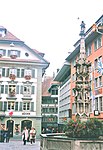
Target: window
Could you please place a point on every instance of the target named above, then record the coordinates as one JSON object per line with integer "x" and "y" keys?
{"x": 14, "y": 52}
{"x": 101, "y": 103}
{"x": 2, "y": 52}
{"x": 2, "y": 89}
{"x": 22, "y": 73}
{"x": 100, "y": 59}
{"x": 74, "y": 62}
{"x": 96, "y": 63}
{"x": 3, "y": 72}
{"x": 12, "y": 90}
{"x": 88, "y": 50}
{"x": 96, "y": 82}
{"x": 11, "y": 105}
{"x": 54, "y": 92}
{"x": 98, "y": 43}
{"x": 100, "y": 81}
{"x": 13, "y": 71}
{"x": 27, "y": 89}
{"x": 18, "y": 73}
{"x": 26, "y": 106}
{"x": 74, "y": 77}
{"x": 96, "y": 103}
{"x": 28, "y": 72}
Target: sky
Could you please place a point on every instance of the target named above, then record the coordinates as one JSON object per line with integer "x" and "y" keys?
{"x": 49, "y": 26}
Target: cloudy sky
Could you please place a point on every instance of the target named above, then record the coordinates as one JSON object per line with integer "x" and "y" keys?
{"x": 50, "y": 26}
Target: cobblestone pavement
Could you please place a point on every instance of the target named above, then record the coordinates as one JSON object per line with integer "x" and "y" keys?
{"x": 18, "y": 145}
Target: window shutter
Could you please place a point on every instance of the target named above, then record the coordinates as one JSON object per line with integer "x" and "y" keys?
{"x": 17, "y": 89}
{"x": 20, "y": 108}
{"x": 33, "y": 90}
{"x": 21, "y": 91}
{"x": 2, "y": 89}
{"x": 16, "y": 106}
{"x": 32, "y": 106}
{"x": 6, "y": 89}
{"x": 5, "y": 106}
{"x": 7, "y": 72}
{"x": 0, "y": 106}
{"x": 8, "y": 52}
{"x": 33, "y": 73}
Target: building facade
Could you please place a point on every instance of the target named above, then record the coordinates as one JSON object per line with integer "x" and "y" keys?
{"x": 64, "y": 91}
{"x": 21, "y": 71}
{"x": 93, "y": 48}
{"x": 49, "y": 106}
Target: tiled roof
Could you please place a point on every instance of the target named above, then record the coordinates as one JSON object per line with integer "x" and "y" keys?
{"x": 8, "y": 35}
{"x": 45, "y": 86}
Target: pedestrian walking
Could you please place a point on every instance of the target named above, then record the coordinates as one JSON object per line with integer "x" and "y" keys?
{"x": 25, "y": 135}
{"x": 32, "y": 135}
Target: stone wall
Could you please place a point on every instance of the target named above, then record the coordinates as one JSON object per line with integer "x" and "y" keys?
{"x": 61, "y": 142}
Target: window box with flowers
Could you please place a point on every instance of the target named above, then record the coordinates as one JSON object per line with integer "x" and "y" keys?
{"x": 13, "y": 56}
{"x": 12, "y": 76}
{"x": 27, "y": 77}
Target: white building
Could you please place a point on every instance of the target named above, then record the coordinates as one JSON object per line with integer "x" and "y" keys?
{"x": 64, "y": 92}
{"x": 21, "y": 71}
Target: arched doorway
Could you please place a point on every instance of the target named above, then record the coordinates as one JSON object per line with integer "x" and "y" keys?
{"x": 26, "y": 123}
{"x": 10, "y": 126}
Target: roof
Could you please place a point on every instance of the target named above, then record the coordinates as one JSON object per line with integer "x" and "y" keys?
{"x": 8, "y": 36}
{"x": 45, "y": 85}
{"x": 63, "y": 72}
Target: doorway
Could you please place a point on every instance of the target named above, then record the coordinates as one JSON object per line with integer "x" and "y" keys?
{"x": 26, "y": 123}
{"x": 10, "y": 126}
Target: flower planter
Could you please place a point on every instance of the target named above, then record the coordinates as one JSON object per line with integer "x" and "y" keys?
{"x": 12, "y": 77}
{"x": 13, "y": 56}
{"x": 27, "y": 77}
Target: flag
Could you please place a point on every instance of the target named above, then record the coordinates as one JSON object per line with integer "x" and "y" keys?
{"x": 100, "y": 67}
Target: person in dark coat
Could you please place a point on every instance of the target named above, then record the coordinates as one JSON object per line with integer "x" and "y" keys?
{"x": 6, "y": 135}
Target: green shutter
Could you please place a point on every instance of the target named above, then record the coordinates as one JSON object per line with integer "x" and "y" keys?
{"x": 0, "y": 106}
{"x": 21, "y": 90}
{"x": 2, "y": 89}
{"x": 33, "y": 90}
{"x": 6, "y": 89}
{"x": 33, "y": 73}
{"x": 17, "y": 89}
{"x": 32, "y": 106}
{"x": 20, "y": 108}
{"x": 16, "y": 106}
{"x": 5, "y": 106}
